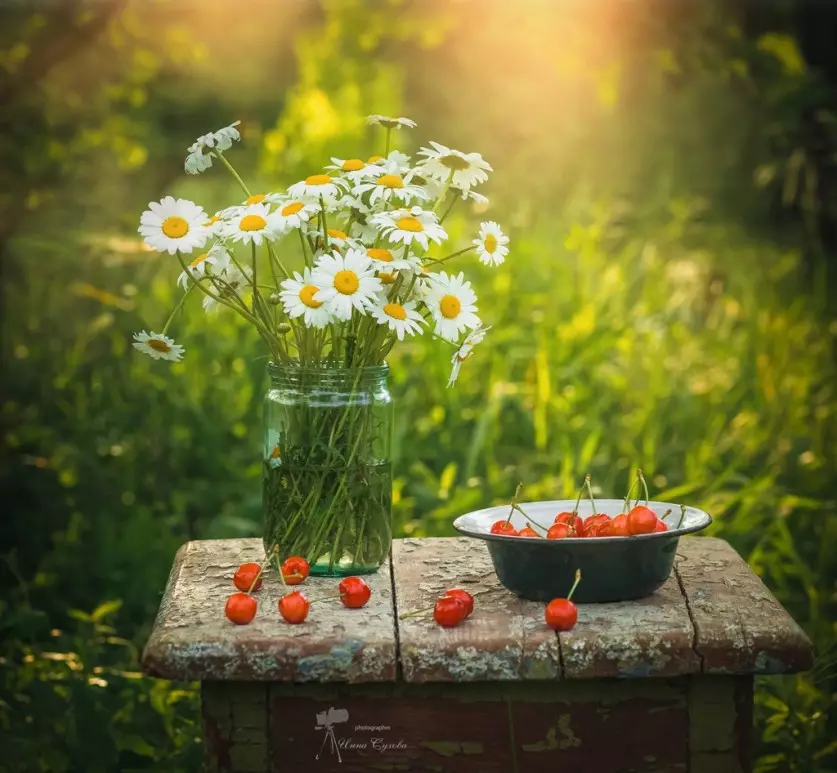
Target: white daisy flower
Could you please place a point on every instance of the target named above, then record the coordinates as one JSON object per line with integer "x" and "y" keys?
{"x": 353, "y": 169}
{"x": 216, "y": 256}
{"x": 468, "y": 169}
{"x": 174, "y": 225}
{"x": 158, "y": 346}
{"x": 200, "y": 151}
{"x": 214, "y": 224}
{"x": 393, "y": 259}
{"x": 363, "y": 231}
{"x": 390, "y": 183}
{"x": 396, "y": 162}
{"x": 292, "y": 212}
{"x": 253, "y": 223}
{"x": 298, "y": 300}
{"x": 452, "y": 303}
{"x": 316, "y": 186}
{"x": 465, "y": 351}
{"x": 346, "y": 283}
{"x": 401, "y": 319}
{"x": 491, "y": 244}
{"x": 477, "y": 198}
{"x": 410, "y": 225}
{"x": 390, "y": 123}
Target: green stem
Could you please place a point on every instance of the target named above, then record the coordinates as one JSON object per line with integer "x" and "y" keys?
{"x": 644, "y": 485}
{"x": 386, "y": 143}
{"x": 529, "y": 517}
{"x": 178, "y": 306}
{"x": 628, "y": 495}
{"x": 444, "y": 192}
{"x": 234, "y": 173}
{"x": 682, "y": 516}
{"x": 575, "y": 584}
{"x": 453, "y": 254}
{"x": 514, "y": 501}
{"x": 590, "y": 492}
{"x": 580, "y": 492}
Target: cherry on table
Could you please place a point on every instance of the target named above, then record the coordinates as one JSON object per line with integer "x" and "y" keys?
{"x": 295, "y": 570}
{"x": 449, "y": 611}
{"x": 240, "y": 608}
{"x": 294, "y": 607}
{"x": 505, "y": 528}
{"x": 642, "y": 520}
{"x": 354, "y": 592}
{"x": 562, "y": 614}
{"x": 245, "y": 577}
{"x": 466, "y": 598}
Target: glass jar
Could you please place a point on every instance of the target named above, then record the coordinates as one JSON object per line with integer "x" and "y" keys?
{"x": 327, "y": 492}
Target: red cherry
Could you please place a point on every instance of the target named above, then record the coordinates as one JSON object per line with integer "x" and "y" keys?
{"x": 619, "y": 526}
{"x": 294, "y": 607}
{"x": 592, "y": 523}
{"x": 245, "y": 575}
{"x": 558, "y": 531}
{"x": 505, "y": 528}
{"x": 602, "y": 529}
{"x": 660, "y": 526}
{"x": 295, "y": 570}
{"x": 573, "y": 520}
{"x": 466, "y": 598}
{"x": 561, "y": 614}
{"x": 642, "y": 520}
{"x": 527, "y": 531}
{"x": 449, "y": 611}
{"x": 354, "y": 592}
{"x": 240, "y": 608}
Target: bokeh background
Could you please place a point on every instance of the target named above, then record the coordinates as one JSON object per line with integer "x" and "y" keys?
{"x": 666, "y": 171}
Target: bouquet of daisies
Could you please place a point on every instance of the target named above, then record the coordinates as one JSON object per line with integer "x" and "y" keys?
{"x": 371, "y": 270}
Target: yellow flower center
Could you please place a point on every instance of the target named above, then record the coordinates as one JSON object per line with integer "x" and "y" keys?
{"x": 291, "y": 209}
{"x": 306, "y": 295}
{"x": 256, "y": 198}
{"x": 395, "y": 310}
{"x": 379, "y": 253}
{"x": 450, "y": 306}
{"x": 318, "y": 179}
{"x": 335, "y": 234}
{"x": 374, "y": 159}
{"x": 212, "y": 220}
{"x": 409, "y": 223}
{"x": 252, "y": 223}
{"x": 198, "y": 260}
{"x": 390, "y": 181}
{"x": 490, "y": 243}
{"x": 346, "y": 282}
{"x": 159, "y": 346}
{"x": 352, "y": 165}
{"x": 454, "y": 161}
{"x": 175, "y": 227}
{"x": 387, "y": 279}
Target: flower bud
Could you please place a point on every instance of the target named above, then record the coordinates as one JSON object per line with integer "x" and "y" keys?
{"x": 274, "y": 298}
{"x": 283, "y": 328}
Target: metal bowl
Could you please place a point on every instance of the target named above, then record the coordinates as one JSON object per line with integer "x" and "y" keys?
{"x": 612, "y": 568}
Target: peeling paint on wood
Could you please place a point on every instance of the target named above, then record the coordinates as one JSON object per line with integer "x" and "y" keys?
{"x": 740, "y": 627}
{"x": 641, "y": 638}
{"x": 505, "y": 638}
{"x": 192, "y": 639}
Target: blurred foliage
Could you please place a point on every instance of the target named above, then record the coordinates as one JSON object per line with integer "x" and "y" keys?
{"x": 667, "y": 174}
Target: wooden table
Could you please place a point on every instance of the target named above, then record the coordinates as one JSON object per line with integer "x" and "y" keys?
{"x": 660, "y": 684}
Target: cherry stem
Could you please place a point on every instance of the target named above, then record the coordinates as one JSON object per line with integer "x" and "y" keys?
{"x": 514, "y": 501}
{"x": 590, "y": 492}
{"x": 580, "y": 492}
{"x": 575, "y": 584}
{"x": 322, "y": 598}
{"x": 517, "y": 507}
{"x": 628, "y": 495}
{"x": 274, "y": 549}
{"x": 644, "y": 486}
{"x": 530, "y": 526}
{"x": 666, "y": 514}
{"x": 682, "y": 516}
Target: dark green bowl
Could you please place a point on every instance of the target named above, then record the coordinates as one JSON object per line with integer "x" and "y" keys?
{"x": 612, "y": 568}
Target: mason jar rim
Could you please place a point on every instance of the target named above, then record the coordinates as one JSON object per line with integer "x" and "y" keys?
{"x": 294, "y": 371}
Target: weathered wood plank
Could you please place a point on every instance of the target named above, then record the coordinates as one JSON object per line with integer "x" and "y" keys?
{"x": 645, "y": 637}
{"x": 192, "y": 639}
{"x": 505, "y": 638}
{"x": 234, "y": 726}
{"x": 720, "y": 724}
{"x": 740, "y": 627}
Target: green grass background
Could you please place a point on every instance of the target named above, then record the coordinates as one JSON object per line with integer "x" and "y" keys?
{"x": 665, "y": 173}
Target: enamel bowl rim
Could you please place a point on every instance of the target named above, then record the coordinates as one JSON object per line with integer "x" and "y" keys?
{"x": 699, "y": 520}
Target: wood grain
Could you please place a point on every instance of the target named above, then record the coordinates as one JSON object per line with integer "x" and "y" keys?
{"x": 740, "y": 627}
{"x": 505, "y": 639}
{"x": 192, "y": 639}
